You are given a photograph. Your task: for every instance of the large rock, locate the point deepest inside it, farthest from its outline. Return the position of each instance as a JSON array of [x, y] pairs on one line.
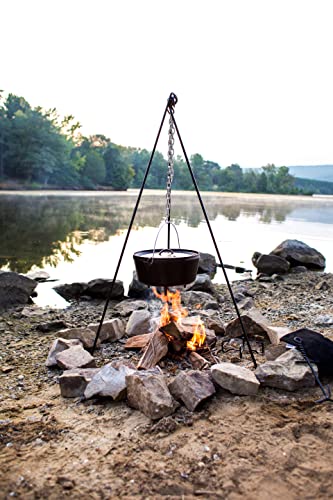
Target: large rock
[[98, 289], [236, 379], [202, 283], [138, 323], [58, 346], [285, 372], [126, 307], [84, 334], [137, 289], [73, 382], [270, 264], [75, 357], [207, 264], [194, 298], [15, 289], [112, 329], [110, 381], [299, 253], [192, 388], [149, 393]]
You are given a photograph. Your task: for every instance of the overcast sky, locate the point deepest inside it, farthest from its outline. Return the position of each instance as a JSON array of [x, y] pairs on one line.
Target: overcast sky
[[254, 78]]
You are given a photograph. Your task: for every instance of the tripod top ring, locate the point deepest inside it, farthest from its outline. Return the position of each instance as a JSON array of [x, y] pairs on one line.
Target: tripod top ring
[[172, 101]]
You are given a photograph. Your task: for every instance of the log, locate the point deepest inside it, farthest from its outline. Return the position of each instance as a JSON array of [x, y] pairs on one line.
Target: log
[[138, 341], [156, 349], [198, 362], [178, 332]]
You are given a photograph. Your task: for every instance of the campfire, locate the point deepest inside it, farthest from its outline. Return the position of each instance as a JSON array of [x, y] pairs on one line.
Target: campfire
[[177, 334]]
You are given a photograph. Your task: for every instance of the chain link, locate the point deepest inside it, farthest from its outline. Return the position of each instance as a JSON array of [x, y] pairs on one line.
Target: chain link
[[171, 142]]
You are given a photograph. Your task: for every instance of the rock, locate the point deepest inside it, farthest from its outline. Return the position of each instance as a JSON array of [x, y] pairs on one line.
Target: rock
[[73, 382], [207, 264], [149, 393], [126, 307], [286, 373], [215, 324], [71, 291], [203, 299], [58, 346], [112, 329], [253, 321], [110, 381], [275, 333], [86, 335], [322, 285], [137, 289], [75, 357], [99, 289], [51, 326], [15, 289], [138, 323], [274, 351], [298, 269], [236, 379], [270, 264], [324, 320], [192, 388], [246, 304], [299, 253], [39, 276], [202, 283]]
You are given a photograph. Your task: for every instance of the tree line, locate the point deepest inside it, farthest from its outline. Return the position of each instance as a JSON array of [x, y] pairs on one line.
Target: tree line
[[38, 149]]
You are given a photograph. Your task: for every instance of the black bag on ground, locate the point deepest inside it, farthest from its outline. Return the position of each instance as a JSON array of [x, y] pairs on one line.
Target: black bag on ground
[[318, 348]]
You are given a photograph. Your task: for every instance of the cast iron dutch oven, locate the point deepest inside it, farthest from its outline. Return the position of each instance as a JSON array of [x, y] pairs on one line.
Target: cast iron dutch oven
[[166, 267]]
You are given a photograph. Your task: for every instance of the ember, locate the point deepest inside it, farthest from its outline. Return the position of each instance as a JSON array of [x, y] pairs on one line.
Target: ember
[[173, 311]]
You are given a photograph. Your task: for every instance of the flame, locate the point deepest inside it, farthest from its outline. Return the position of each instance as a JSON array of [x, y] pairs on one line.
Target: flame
[[172, 310]]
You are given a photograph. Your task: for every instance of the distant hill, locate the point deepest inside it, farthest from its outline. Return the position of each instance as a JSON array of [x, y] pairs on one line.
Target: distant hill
[[315, 172]]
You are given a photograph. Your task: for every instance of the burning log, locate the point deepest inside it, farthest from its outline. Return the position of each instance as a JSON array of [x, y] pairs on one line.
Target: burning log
[[177, 336], [156, 349], [138, 341], [198, 362]]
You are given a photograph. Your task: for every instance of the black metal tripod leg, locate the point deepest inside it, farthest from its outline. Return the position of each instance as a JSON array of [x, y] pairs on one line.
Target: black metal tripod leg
[[215, 244]]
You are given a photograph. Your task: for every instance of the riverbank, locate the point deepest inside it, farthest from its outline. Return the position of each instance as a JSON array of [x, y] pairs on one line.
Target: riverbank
[[272, 445]]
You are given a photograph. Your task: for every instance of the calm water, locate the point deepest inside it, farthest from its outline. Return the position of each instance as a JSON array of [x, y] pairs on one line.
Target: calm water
[[78, 236]]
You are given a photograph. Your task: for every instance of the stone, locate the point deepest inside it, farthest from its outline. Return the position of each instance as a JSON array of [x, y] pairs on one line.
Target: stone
[[246, 304], [324, 320], [71, 291], [192, 388], [86, 335], [298, 269], [74, 382], [58, 346], [300, 254], [193, 299], [275, 333], [285, 372], [138, 323], [148, 392], [215, 324], [112, 329], [110, 381], [100, 288], [39, 276], [51, 326], [137, 289], [253, 321], [15, 289], [274, 351], [236, 379], [207, 264], [75, 357], [202, 283], [270, 264], [126, 307]]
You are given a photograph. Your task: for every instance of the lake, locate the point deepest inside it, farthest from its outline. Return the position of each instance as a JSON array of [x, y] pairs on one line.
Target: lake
[[78, 235]]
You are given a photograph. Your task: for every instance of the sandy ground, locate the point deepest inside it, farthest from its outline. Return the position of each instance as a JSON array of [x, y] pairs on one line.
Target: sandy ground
[[274, 445]]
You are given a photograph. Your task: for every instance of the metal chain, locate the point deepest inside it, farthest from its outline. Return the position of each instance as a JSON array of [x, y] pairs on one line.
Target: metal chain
[[171, 141]]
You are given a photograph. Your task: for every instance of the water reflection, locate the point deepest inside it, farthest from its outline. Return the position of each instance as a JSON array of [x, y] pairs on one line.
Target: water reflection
[[42, 230]]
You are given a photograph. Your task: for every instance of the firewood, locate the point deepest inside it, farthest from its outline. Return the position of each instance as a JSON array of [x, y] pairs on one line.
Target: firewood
[[156, 349], [198, 362], [177, 331], [138, 341]]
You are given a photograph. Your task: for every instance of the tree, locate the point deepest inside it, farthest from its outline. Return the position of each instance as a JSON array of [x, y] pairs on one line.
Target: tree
[[94, 170]]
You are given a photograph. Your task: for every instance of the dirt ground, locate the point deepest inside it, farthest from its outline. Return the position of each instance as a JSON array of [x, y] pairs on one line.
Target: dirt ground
[[274, 445]]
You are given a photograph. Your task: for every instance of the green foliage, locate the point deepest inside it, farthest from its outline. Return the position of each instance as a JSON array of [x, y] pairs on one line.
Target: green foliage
[[39, 149]]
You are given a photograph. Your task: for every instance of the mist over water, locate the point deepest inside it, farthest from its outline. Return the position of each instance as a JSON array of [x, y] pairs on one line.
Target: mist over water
[[78, 236]]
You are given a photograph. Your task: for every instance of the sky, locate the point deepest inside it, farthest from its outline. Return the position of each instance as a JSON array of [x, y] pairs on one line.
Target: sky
[[254, 78]]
